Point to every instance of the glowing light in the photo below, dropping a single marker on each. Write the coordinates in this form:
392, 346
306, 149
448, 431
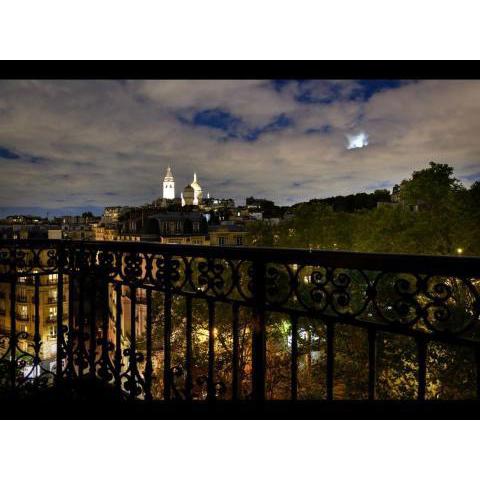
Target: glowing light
358, 140
459, 250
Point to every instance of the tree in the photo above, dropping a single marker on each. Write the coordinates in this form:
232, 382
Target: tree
431, 188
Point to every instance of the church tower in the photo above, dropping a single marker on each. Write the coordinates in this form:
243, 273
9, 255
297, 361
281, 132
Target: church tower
168, 185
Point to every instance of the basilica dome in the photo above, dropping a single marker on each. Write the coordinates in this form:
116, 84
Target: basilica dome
188, 195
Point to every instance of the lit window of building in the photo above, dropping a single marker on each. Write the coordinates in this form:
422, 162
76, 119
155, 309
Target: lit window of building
52, 330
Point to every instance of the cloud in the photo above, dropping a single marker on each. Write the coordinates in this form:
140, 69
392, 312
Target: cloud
93, 142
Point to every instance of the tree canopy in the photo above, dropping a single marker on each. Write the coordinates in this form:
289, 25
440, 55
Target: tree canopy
435, 214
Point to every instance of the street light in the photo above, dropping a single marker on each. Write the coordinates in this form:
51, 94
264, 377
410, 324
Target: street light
459, 251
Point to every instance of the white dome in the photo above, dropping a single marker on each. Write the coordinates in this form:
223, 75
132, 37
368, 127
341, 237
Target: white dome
195, 185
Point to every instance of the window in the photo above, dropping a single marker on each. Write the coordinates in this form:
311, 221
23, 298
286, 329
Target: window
23, 311
52, 330
52, 278
239, 240
221, 241
52, 312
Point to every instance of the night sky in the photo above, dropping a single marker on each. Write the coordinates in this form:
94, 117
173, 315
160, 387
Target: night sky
70, 146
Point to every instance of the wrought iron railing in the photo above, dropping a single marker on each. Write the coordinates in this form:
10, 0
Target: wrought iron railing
245, 323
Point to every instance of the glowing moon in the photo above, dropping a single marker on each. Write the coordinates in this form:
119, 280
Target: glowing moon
358, 140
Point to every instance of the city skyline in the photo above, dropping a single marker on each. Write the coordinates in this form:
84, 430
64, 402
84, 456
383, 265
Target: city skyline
106, 143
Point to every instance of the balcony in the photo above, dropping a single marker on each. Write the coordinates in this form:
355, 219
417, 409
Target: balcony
258, 326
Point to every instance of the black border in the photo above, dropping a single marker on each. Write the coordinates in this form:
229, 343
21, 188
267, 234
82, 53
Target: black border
56, 409
241, 69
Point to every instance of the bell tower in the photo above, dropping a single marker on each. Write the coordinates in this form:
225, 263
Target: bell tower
169, 185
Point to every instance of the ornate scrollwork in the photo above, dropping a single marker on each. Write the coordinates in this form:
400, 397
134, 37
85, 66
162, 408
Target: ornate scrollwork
133, 268
212, 276
107, 265
335, 291
450, 304
131, 380
279, 283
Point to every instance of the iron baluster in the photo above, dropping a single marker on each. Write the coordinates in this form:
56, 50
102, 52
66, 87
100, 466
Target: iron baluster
81, 324
60, 353
211, 351
92, 321
71, 327
330, 358
133, 342
477, 372
118, 336
188, 353
372, 362
258, 334
294, 365
36, 336
13, 331
235, 353
422, 366
167, 331
148, 365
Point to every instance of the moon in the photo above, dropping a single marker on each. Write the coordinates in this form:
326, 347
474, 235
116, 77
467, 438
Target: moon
358, 140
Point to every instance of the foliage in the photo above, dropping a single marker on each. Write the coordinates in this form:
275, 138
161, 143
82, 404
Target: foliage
435, 215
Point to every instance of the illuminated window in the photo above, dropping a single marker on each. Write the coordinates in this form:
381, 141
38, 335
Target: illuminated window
52, 277
52, 312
